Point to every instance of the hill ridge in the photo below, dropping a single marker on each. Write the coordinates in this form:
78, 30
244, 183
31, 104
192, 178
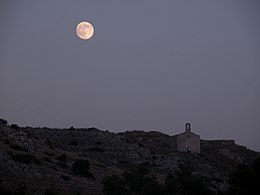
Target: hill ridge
44, 156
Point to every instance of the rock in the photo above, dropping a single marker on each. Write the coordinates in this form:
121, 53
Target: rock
21, 139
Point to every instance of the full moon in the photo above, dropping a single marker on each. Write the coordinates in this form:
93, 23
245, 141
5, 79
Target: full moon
85, 30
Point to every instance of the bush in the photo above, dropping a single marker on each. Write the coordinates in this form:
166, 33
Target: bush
256, 166
135, 181
7, 141
17, 147
48, 153
47, 159
62, 157
4, 191
99, 143
170, 184
190, 184
14, 126
37, 161
62, 164
65, 177
140, 145
50, 191
81, 167
96, 149
246, 179
3, 121
74, 142
139, 181
114, 185
25, 158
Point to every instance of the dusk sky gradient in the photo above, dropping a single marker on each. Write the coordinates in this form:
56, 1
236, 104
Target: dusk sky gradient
151, 65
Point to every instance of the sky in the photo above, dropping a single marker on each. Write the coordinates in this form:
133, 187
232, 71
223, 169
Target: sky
151, 65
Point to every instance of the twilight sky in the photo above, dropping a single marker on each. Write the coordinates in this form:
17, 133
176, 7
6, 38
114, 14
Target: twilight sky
151, 65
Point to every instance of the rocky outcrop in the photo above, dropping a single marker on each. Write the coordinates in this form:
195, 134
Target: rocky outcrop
21, 139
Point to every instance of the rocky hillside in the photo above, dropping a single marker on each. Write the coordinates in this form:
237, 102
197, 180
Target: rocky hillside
76, 161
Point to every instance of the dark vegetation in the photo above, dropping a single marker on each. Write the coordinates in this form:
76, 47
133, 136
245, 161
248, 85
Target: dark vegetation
50, 191
17, 147
96, 149
25, 158
62, 157
246, 179
139, 180
74, 142
3, 121
81, 167
14, 126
